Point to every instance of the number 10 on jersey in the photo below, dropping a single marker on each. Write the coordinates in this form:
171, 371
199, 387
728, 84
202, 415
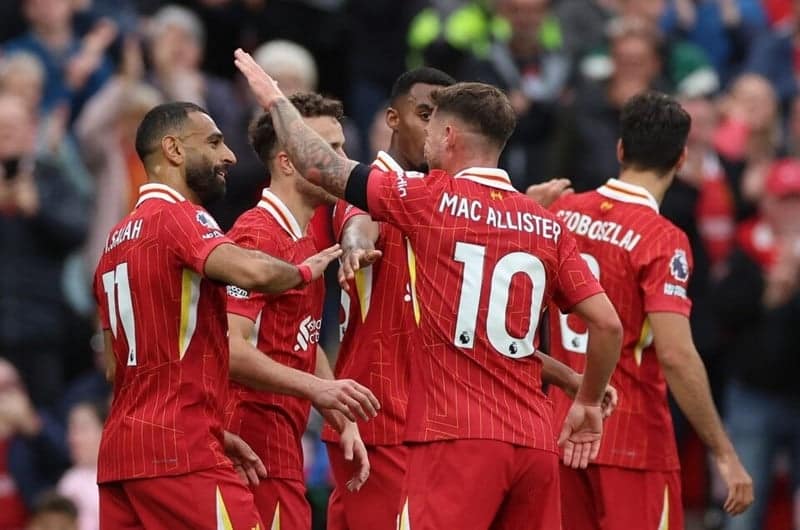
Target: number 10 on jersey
474, 259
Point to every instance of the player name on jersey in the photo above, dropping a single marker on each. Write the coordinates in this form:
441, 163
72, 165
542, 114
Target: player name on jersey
605, 231
475, 210
131, 230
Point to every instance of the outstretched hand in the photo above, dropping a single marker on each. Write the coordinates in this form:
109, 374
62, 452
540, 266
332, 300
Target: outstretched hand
264, 88
319, 262
352, 261
580, 436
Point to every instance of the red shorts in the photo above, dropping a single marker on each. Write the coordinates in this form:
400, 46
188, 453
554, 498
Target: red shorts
479, 485
376, 504
615, 498
210, 499
282, 504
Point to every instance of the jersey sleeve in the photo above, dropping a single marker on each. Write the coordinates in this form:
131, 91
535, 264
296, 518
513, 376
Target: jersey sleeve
400, 199
575, 282
664, 272
192, 234
255, 236
100, 298
343, 212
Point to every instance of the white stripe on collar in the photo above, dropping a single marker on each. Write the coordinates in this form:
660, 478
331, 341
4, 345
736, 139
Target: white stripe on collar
488, 176
385, 162
278, 210
627, 192
154, 190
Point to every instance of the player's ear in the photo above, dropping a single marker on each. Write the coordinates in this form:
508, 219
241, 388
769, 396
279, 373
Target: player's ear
620, 151
173, 150
284, 164
392, 118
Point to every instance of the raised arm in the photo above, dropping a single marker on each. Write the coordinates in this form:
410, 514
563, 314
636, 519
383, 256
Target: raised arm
312, 156
358, 239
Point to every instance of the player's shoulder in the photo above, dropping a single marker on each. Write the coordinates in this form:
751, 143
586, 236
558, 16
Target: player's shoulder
571, 201
256, 224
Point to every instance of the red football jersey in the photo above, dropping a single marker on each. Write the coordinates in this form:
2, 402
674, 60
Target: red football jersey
287, 327
377, 320
488, 260
643, 262
170, 340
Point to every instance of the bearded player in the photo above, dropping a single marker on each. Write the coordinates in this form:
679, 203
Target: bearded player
644, 263
275, 337
161, 301
483, 252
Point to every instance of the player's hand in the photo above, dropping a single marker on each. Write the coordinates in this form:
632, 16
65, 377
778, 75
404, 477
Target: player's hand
245, 461
546, 193
738, 481
610, 396
319, 262
580, 436
349, 397
353, 260
264, 88
355, 453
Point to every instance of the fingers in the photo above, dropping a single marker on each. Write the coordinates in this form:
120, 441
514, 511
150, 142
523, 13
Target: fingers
595, 450
362, 474
739, 498
252, 476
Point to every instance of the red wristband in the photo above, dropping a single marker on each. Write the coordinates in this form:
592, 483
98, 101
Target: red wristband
305, 273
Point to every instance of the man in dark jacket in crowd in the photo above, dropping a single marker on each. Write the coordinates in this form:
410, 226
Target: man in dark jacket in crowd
758, 303
42, 219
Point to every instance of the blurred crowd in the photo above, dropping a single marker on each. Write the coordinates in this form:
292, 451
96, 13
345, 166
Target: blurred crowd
77, 76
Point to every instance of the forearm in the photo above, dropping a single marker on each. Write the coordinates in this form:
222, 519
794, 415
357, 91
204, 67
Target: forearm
360, 233
312, 156
601, 358
252, 368
556, 373
323, 367
688, 381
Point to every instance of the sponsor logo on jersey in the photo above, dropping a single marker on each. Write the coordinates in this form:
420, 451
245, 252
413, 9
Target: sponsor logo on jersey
205, 219
679, 266
237, 292
670, 289
308, 334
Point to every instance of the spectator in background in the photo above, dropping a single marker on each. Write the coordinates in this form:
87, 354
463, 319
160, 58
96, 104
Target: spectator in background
533, 69
724, 29
585, 143
13, 512
288, 63
79, 483
53, 512
75, 68
44, 218
758, 303
748, 139
106, 132
175, 45
774, 56
583, 23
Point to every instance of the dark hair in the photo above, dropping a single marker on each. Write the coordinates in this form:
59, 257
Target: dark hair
483, 106
653, 129
159, 121
426, 75
52, 502
310, 105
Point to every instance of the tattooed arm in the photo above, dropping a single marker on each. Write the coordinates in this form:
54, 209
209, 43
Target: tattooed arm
311, 155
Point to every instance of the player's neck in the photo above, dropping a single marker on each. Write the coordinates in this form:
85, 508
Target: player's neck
651, 181
176, 182
294, 201
398, 156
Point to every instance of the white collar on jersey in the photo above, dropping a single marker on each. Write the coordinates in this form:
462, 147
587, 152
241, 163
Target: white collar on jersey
626, 192
162, 192
385, 162
278, 209
488, 176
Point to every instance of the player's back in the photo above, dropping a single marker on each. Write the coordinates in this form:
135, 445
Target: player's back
643, 263
488, 259
169, 340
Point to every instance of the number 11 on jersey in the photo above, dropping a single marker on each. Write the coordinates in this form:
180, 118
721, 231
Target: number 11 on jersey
118, 295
